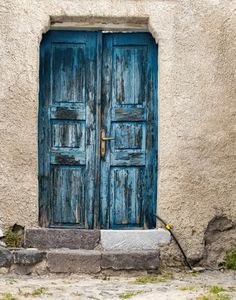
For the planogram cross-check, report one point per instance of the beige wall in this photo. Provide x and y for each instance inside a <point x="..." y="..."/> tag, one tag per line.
<point x="197" y="105"/>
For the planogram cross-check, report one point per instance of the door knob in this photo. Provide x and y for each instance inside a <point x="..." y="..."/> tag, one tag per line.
<point x="104" y="138"/>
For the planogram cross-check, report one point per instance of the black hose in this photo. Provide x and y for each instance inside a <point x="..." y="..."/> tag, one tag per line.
<point x="175" y="239"/>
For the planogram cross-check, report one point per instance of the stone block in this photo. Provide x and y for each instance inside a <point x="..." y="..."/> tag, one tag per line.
<point x="44" y="238"/>
<point x="6" y="257"/>
<point x="28" y="256"/>
<point x="4" y="270"/>
<point x="121" y="260"/>
<point x="74" y="261"/>
<point x="134" y="240"/>
<point x="3" y="244"/>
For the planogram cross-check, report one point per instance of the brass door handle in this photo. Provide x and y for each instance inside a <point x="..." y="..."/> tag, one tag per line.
<point x="104" y="138"/>
<point x="107" y="138"/>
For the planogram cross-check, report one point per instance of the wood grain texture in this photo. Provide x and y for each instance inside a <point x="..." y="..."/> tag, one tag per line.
<point x="89" y="81"/>
<point x="67" y="131"/>
<point x="129" y="109"/>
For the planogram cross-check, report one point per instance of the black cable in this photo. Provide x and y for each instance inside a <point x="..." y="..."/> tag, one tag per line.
<point x="175" y="239"/>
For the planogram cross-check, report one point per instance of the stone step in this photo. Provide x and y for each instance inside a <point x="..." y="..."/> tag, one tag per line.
<point x="93" y="261"/>
<point x="27" y="261"/>
<point x="50" y="238"/>
<point x="138" y="240"/>
<point x="109" y="240"/>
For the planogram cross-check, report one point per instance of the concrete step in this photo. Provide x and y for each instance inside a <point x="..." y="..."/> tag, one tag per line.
<point x="138" y="240"/>
<point x="108" y="240"/>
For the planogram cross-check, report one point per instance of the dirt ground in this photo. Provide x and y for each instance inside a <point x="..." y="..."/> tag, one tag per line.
<point x="212" y="285"/>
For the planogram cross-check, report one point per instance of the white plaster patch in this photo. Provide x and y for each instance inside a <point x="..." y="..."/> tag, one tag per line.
<point x="1" y="233"/>
<point x="134" y="239"/>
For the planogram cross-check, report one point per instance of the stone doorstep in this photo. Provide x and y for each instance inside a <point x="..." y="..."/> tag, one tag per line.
<point x="135" y="260"/>
<point x="6" y="258"/>
<point x="109" y="240"/>
<point x="50" y="238"/>
<point x="23" y="257"/>
<point x="73" y="251"/>
<point x="74" y="261"/>
<point x="26" y="261"/>
<point x="28" y="256"/>
<point x="134" y="240"/>
<point x="93" y="261"/>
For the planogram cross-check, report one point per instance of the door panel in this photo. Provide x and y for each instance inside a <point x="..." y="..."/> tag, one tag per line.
<point x="67" y="137"/>
<point x="90" y="81"/>
<point x="129" y="109"/>
<point x="68" y="72"/>
<point x="126" y="192"/>
<point x="129" y="73"/>
<point x="68" y="195"/>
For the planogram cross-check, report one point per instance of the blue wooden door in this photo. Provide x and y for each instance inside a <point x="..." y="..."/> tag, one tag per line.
<point x="129" y="116"/>
<point x="92" y="82"/>
<point x="67" y="128"/>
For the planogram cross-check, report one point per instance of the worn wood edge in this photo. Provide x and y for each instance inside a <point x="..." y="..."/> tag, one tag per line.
<point x="138" y="24"/>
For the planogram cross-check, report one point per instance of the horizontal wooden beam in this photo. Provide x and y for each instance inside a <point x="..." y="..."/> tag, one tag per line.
<point x="139" y="24"/>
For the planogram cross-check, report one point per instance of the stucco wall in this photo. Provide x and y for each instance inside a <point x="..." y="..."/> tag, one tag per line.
<point x="197" y="106"/>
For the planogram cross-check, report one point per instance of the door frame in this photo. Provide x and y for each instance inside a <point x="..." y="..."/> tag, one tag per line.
<point x="44" y="212"/>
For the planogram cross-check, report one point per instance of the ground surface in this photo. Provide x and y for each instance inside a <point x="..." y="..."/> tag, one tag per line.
<point x="181" y="286"/>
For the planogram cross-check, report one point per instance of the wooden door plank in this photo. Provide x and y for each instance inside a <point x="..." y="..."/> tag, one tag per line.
<point x="129" y="169"/>
<point x="67" y="128"/>
<point x="106" y="124"/>
<point x="97" y="205"/>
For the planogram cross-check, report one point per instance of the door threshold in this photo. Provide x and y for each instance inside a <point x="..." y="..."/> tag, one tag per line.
<point x="129" y="240"/>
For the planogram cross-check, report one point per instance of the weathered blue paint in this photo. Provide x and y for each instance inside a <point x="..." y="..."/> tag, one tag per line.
<point x="89" y="81"/>
<point x="129" y="114"/>
<point x="67" y="131"/>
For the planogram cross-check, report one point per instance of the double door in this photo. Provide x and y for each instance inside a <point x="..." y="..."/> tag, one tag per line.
<point x="98" y="130"/>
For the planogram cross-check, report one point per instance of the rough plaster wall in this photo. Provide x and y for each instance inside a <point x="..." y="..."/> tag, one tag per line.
<point x="197" y="115"/>
<point x="197" y="137"/>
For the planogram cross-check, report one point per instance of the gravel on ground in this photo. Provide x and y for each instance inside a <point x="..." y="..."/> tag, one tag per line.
<point x="209" y="285"/>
